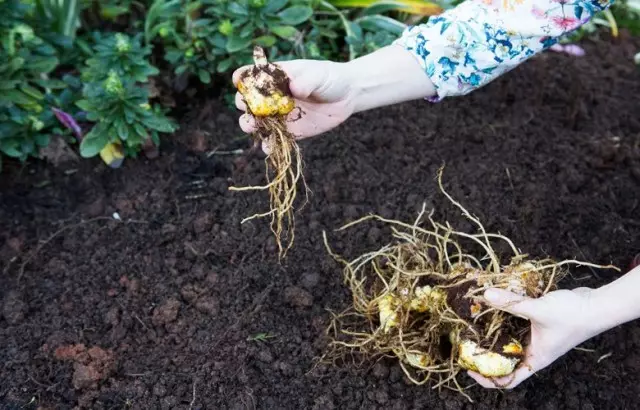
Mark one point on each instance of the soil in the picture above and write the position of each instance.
(139, 288)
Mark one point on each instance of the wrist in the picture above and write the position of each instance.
(387, 76)
(615, 303)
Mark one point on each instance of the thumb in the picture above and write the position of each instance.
(509, 302)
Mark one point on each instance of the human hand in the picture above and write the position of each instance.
(323, 95)
(560, 321)
(327, 93)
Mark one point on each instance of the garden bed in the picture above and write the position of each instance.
(177, 305)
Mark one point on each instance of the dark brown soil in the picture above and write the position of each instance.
(165, 308)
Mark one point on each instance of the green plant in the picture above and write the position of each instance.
(122, 54)
(115, 99)
(25, 90)
(214, 36)
(61, 16)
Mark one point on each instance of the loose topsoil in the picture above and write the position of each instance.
(177, 305)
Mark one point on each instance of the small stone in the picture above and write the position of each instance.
(310, 280)
(134, 286)
(395, 374)
(382, 397)
(15, 244)
(271, 245)
(168, 229)
(243, 378)
(208, 305)
(159, 390)
(380, 371)
(170, 402)
(324, 402)
(124, 206)
(265, 356)
(373, 236)
(112, 316)
(189, 292)
(298, 297)
(95, 208)
(212, 278)
(203, 223)
(199, 270)
(84, 376)
(166, 313)
(285, 368)
(90, 366)
(14, 308)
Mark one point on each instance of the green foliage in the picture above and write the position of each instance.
(112, 9)
(206, 37)
(61, 16)
(122, 54)
(25, 60)
(215, 36)
(115, 100)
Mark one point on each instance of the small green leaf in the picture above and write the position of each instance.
(158, 124)
(274, 6)
(94, 142)
(42, 140)
(247, 30)
(32, 92)
(17, 97)
(236, 43)
(204, 76)
(285, 32)
(52, 84)
(295, 15)
(15, 64)
(181, 69)
(84, 105)
(42, 65)
(376, 23)
(142, 133)
(122, 129)
(8, 147)
(236, 8)
(265, 41)
(224, 65)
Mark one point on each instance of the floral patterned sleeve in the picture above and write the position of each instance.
(469, 46)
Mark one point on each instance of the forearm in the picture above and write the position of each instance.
(616, 303)
(388, 76)
(471, 45)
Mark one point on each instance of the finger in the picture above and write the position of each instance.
(302, 82)
(265, 147)
(235, 77)
(240, 104)
(247, 123)
(508, 382)
(582, 290)
(510, 302)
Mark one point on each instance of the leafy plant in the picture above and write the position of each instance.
(122, 116)
(115, 100)
(63, 16)
(121, 54)
(25, 61)
(214, 36)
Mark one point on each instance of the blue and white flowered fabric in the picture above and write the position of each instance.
(472, 44)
